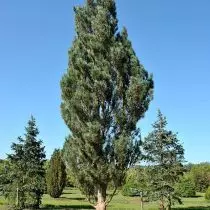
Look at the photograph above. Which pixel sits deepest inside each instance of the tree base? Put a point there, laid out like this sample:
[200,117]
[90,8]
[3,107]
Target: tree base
[100,206]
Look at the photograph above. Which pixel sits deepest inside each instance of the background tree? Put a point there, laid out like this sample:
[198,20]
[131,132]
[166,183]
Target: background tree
[165,155]
[200,174]
[188,167]
[105,92]
[186,187]
[136,183]
[14,190]
[70,179]
[3,175]
[56,175]
[26,170]
[207,194]
[46,165]
[136,178]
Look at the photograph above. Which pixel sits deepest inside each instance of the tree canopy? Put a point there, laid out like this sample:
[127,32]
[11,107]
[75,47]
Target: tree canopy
[105,92]
[165,156]
[26,173]
[56,175]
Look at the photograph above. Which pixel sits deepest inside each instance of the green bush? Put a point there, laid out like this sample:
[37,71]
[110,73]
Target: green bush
[207,194]
[56,175]
[129,190]
[186,187]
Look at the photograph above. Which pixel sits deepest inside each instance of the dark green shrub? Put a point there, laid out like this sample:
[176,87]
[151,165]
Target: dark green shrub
[56,175]
[186,187]
[207,194]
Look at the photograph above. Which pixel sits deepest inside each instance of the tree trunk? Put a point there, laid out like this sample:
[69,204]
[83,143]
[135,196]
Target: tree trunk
[169,203]
[141,200]
[17,196]
[101,204]
[162,207]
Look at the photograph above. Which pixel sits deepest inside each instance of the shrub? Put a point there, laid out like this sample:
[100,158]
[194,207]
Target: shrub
[129,190]
[207,194]
[56,175]
[186,187]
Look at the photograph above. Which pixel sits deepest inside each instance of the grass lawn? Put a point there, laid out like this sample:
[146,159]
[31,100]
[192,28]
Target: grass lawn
[72,199]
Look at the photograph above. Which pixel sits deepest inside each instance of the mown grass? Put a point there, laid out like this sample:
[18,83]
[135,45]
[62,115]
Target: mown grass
[73,199]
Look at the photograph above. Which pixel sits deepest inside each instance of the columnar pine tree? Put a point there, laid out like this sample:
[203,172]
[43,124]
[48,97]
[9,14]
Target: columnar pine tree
[105,92]
[56,175]
[165,155]
[26,172]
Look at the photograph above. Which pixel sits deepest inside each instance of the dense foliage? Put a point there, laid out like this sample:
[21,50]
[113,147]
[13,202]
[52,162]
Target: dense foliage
[165,156]
[70,179]
[130,189]
[186,187]
[200,174]
[25,170]
[105,92]
[1,175]
[207,194]
[136,182]
[56,175]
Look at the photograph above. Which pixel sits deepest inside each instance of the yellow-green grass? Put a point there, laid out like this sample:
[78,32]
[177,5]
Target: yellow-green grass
[73,199]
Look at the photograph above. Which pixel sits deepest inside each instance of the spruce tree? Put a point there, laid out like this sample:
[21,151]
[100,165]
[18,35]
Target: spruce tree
[165,156]
[34,156]
[56,175]
[105,92]
[26,172]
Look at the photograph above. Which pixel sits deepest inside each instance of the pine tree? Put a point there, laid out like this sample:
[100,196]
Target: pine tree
[56,175]
[14,189]
[105,92]
[34,156]
[26,172]
[165,155]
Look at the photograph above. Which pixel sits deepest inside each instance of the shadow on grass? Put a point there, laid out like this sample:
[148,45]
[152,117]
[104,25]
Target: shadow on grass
[193,208]
[67,207]
[78,199]
[197,196]
[66,193]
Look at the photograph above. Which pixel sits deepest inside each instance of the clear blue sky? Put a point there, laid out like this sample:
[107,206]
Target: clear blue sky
[171,39]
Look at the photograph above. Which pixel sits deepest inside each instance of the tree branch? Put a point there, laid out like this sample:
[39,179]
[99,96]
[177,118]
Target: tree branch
[111,196]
